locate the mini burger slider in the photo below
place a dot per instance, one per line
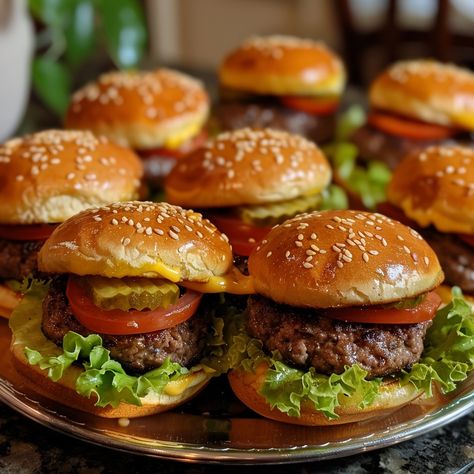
(434, 190)
(415, 104)
(47, 177)
(345, 299)
(247, 180)
(120, 331)
(281, 82)
(160, 114)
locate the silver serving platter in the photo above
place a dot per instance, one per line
(216, 428)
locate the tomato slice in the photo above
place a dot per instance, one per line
(469, 239)
(395, 213)
(26, 231)
(118, 322)
(311, 105)
(176, 153)
(242, 236)
(406, 128)
(425, 311)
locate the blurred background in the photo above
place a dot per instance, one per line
(48, 48)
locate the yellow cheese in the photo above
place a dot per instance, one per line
(177, 387)
(178, 138)
(232, 282)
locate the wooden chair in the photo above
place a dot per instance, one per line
(389, 40)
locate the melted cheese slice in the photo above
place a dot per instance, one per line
(232, 282)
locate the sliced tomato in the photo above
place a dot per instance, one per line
(242, 236)
(395, 213)
(176, 153)
(469, 239)
(120, 322)
(406, 128)
(425, 311)
(27, 231)
(311, 105)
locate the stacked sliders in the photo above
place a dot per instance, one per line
(335, 334)
(415, 104)
(160, 114)
(248, 180)
(434, 190)
(46, 178)
(120, 306)
(281, 82)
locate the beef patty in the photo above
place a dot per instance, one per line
(305, 339)
(455, 256)
(138, 353)
(235, 115)
(18, 258)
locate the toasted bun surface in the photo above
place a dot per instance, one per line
(436, 187)
(427, 90)
(343, 258)
(49, 176)
(247, 385)
(283, 65)
(64, 392)
(248, 167)
(137, 239)
(141, 109)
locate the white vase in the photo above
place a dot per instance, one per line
(16, 50)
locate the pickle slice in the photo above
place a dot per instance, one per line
(131, 293)
(277, 212)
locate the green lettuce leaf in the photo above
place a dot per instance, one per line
(447, 359)
(102, 376)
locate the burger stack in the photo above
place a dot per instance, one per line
(334, 318)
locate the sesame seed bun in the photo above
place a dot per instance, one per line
(49, 176)
(391, 396)
(427, 90)
(283, 65)
(143, 110)
(248, 167)
(64, 390)
(436, 187)
(137, 239)
(343, 258)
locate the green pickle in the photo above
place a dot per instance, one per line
(131, 293)
(277, 212)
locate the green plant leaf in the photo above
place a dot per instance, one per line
(52, 83)
(51, 12)
(125, 31)
(80, 33)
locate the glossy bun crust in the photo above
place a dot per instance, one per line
(137, 239)
(248, 167)
(141, 109)
(427, 90)
(49, 176)
(283, 65)
(436, 187)
(343, 258)
(391, 396)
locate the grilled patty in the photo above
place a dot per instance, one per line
(18, 258)
(455, 256)
(235, 115)
(138, 353)
(305, 339)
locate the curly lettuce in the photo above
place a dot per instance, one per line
(447, 360)
(101, 376)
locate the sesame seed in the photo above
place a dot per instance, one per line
(313, 236)
(148, 231)
(373, 252)
(300, 236)
(339, 264)
(158, 231)
(199, 234)
(287, 254)
(322, 251)
(336, 249)
(173, 235)
(346, 258)
(114, 222)
(307, 265)
(407, 250)
(365, 256)
(426, 260)
(269, 254)
(97, 218)
(298, 243)
(126, 241)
